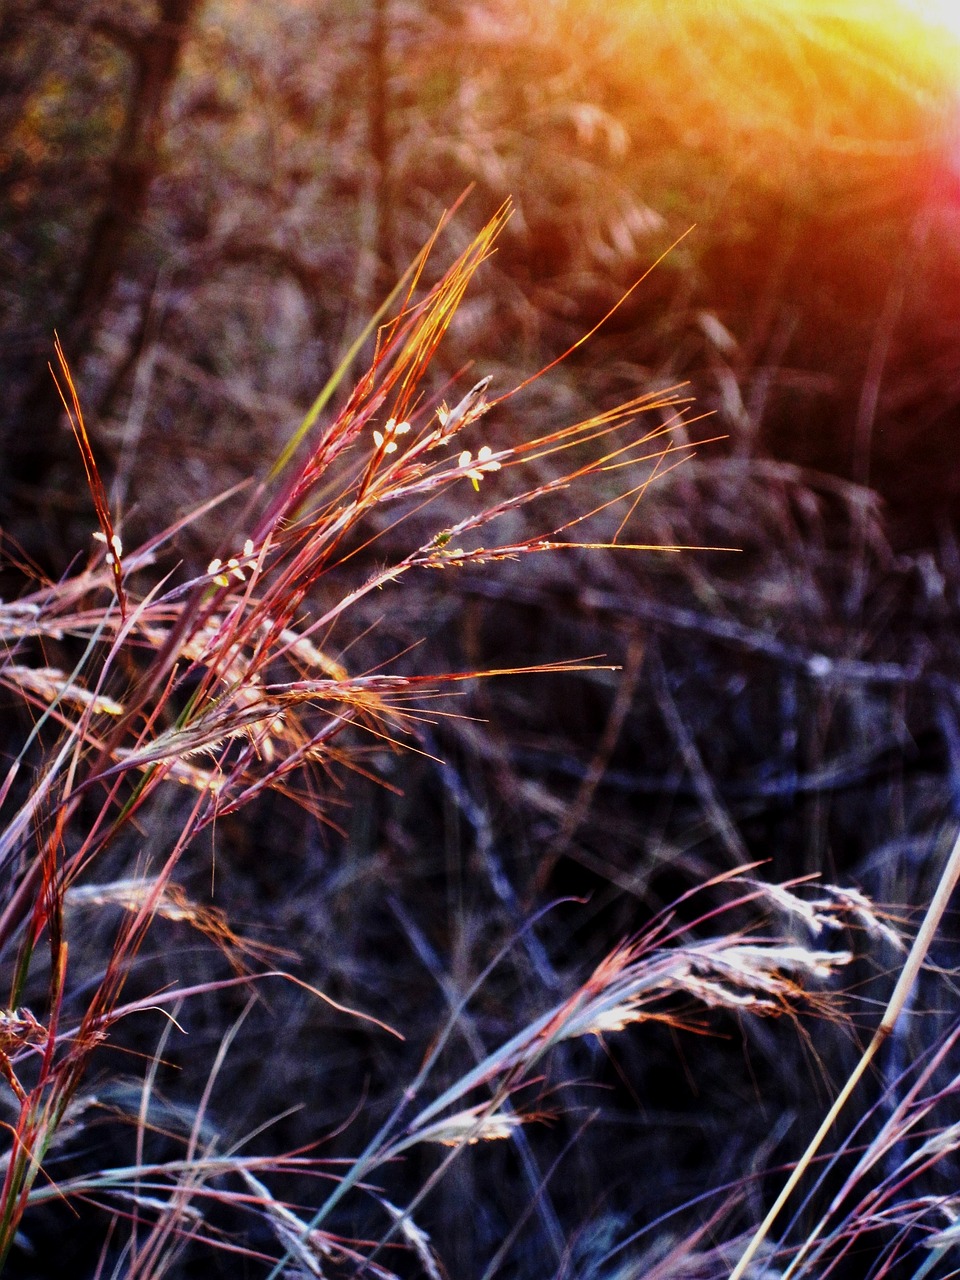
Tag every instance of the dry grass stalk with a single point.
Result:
(895, 1005)
(222, 681)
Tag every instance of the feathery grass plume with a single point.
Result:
(659, 977)
(223, 681)
(174, 904)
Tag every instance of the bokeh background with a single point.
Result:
(209, 199)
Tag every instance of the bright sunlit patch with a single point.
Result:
(923, 31)
(944, 14)
(935, 35)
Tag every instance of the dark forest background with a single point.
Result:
(208, 200)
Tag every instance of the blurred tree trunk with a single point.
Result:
(33, 445)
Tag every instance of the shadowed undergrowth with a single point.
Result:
(382, 1055)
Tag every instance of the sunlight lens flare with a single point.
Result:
(942, 15)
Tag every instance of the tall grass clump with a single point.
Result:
(158, 700)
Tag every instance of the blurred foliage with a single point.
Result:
(301, 153)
